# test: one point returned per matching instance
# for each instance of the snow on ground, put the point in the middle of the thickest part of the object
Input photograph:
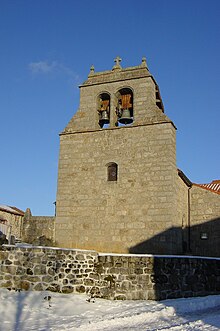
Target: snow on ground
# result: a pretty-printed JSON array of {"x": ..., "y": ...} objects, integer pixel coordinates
[{"x": 25, "y": 311}]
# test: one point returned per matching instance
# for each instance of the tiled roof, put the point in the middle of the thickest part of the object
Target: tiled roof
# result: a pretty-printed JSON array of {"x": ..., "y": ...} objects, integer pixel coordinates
[
  {"x": 12, "y": 210},
  {"x": 214, "y": 186}
]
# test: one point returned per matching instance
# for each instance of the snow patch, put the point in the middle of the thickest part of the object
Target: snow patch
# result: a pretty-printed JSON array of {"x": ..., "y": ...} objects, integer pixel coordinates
[{"x": 34, "y": 311}]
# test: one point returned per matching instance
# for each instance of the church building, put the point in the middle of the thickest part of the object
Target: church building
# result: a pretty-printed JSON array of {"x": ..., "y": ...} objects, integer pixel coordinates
[{"x": 119, "y": 189}]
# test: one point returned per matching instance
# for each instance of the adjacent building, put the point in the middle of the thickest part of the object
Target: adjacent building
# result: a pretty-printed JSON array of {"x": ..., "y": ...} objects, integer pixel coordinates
[{"x": 11, "y": 219}]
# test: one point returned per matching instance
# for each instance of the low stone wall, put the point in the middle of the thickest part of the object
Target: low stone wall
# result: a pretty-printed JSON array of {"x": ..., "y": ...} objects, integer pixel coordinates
[
  {"x": 42, "y": 268},
  {"x": 108, "y": 276}
]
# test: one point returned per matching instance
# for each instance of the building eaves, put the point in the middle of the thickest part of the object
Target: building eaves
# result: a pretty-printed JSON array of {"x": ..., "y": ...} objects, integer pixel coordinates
[
  {"x": 12, "y": 210},
  {"x": 184, "y": 178}
]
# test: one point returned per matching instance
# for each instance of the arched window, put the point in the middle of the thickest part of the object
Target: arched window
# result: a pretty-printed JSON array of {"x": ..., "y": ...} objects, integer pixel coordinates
[
  {"x": 104, "y": 109},
  {"x": 112, "y": 171}
]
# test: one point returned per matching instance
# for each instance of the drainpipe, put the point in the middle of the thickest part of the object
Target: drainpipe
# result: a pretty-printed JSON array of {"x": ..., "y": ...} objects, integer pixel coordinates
[
  {"x": 189, "y": 216},
  {"x": 189, "y": 185},
  {"x": 55, "y": 206}
]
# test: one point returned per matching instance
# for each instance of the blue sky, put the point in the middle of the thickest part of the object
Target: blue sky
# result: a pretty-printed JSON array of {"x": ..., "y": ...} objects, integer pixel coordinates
[{"x": 46, "y": 50}]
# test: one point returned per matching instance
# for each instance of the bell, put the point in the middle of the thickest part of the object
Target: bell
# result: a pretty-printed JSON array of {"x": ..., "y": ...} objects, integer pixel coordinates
[
  {"x": 125, "y": 117},
  {"x": 104, "y": 119}
]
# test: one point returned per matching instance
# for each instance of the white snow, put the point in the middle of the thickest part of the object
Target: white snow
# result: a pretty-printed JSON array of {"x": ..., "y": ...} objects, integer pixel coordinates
[{"x": 25, "y": 311}]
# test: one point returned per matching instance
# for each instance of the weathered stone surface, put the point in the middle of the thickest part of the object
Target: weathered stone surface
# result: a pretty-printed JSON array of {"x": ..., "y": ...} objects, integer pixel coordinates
[
  {"x": 47, "y": 279},
  {"x": 88, "y": 282},
  {"x": 25, "y": 285},
  {"x": 38, "y": 287},
  {"x": 53, "y": 288},
  {"x": 40, "y": 270},
  {"x": 7, "y": 284},
  {"x": 80, "y": 289},
  {"x": 166, "y": 277}
]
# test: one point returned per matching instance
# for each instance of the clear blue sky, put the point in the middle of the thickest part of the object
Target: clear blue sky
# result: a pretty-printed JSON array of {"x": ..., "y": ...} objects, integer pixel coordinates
[{"x": 46, "y": 50}]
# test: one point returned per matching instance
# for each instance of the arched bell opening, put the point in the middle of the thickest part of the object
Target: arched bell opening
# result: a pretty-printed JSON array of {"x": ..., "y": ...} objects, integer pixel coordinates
[
  {"x": 124, "y": 109},
  {"x": 159, "y": 102},
  {"x": 104, "y": 110}
]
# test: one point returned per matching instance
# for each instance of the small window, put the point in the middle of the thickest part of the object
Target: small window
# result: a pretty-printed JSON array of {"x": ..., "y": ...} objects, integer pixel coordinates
[
  {"x": 204, "y": 235},
  {"x": 112, "y": 171}
]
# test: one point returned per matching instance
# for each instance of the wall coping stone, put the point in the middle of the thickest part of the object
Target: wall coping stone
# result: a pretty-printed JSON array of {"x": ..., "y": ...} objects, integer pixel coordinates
[
  {"x": 161, "y": 256},
  {"x": 51, "y": 248},
  {"x": 113, "y": 254}
]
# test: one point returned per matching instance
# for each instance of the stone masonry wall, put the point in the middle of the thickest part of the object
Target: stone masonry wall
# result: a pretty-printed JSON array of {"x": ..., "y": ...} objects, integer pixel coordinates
[
  {"x": 205, "y": 220},
  {"x": 108, "y": 276},
  {"x": 36, "y": 227},
  {"x": 118, "y": 216},
  {"x": 115, "y": 216},
  {"x": 41, "y": 268},
  {"x": 13, "y": 220}
]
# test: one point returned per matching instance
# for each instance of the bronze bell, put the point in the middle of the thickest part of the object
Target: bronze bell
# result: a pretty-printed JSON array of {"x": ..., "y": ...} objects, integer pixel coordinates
[
  {"x": 104, "y": 118},
  {"x": 126, "y": 117}
]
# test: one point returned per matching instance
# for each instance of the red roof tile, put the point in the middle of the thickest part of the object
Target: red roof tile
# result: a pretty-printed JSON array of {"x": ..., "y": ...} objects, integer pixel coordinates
[{"x": 214, "y": 186}]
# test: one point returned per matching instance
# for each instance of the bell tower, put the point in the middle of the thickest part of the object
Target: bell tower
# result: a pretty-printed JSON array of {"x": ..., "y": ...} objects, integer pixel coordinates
[
  {"x": 118, "y": 97},
  {"x": 117, "y": 165}
]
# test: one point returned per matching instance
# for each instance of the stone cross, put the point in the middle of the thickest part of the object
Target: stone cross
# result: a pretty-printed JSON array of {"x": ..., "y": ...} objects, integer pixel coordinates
[
  {"x": 144, "y": 62},
  {"x": 92, "y": 70},
  {"x": 117, "y": 61}
]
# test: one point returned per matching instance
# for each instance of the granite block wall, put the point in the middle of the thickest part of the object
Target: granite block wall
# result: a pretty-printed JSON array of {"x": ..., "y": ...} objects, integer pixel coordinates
[
  {"x": 108, "y": 276},
  {"x": 205, "y": 222},
  {"x": 115, "y": 216}
]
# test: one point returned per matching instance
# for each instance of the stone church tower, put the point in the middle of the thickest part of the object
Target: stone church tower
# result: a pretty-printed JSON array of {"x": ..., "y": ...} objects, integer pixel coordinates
[{"x": 117, "y": 178}]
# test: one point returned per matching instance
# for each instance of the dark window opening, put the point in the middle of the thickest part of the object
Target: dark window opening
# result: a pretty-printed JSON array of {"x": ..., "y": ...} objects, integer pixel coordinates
[
  {"x": 112, "y": 169},
  {"x": 204, "y": 235}
]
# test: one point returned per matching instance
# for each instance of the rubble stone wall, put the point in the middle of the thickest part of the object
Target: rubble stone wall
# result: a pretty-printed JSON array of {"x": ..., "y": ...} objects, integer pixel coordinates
[
  {"x": 109, "y": 276},
  {"x": 36, "y": 227}
]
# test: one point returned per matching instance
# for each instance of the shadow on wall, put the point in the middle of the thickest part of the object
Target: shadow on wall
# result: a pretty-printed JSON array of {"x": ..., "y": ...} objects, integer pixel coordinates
[
  {"x": 186, "y": 277},
  {"x": 202, "y": 240}
]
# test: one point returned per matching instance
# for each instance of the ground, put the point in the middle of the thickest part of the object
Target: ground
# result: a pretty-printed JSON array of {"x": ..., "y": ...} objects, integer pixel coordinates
[{"x": 47, "y": 311}]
